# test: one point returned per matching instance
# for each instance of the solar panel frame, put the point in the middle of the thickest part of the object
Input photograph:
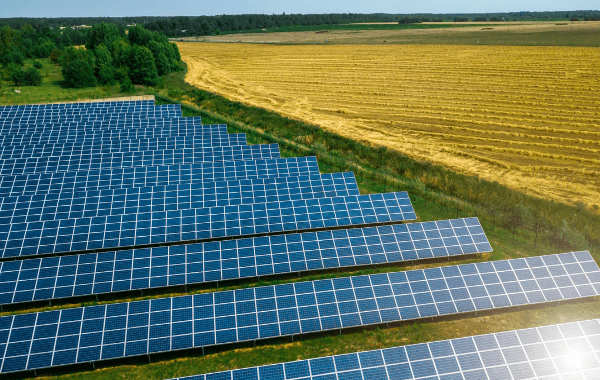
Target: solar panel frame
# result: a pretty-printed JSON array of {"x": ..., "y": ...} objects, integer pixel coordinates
[
  {"x": 138, "y": 269},
  {"x": 112, "y": 134},
  {"x": 69, "y": 336},
  {"x": 142, "y": 158},
  {"x": 551, "y": 352},
  {"x": 99, "y": 146},
  {"x": 142, "y": 176},
  {"x": 71, "y": 236},
  {"x": 91, "y": 204}
]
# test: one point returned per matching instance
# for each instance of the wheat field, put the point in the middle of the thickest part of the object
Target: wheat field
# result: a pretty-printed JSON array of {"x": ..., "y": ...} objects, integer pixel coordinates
[{"x": 527, "y": 117}]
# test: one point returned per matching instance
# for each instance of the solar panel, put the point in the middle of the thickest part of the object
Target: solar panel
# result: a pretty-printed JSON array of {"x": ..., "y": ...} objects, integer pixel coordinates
[
  {"x": 154, "y": 228},
  {"x": 83, "y": 111},
  {"x": 99, "y": 125},
  {"x": 152, "y": 111},
  {"x": 562, "y": 351},
  {"x": 131, "y": 159},
  {"x": 141, "y": 176},
  {"x": 120, "y": 103},
  {"x": 110, "y": 272},
  {"x": 114, "y": 146},
  {"x": 32, "y": 119},
  {"x": 111, "y": 134},
  {"x": 93, "y": 333},
  {"x": 89, "y": 204}
]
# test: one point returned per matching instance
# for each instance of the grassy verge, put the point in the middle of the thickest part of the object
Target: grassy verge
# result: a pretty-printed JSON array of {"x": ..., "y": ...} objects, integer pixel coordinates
[{"x": 435, "y": 193}]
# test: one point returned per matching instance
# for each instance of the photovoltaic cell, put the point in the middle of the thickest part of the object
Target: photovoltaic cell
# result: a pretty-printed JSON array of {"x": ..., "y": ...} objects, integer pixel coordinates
[
  {"x": 141, "y": 176},
  {"x": 109, "y": 272},
  {"x": 111, "y": 134},
  {"x": 114, "y": 146},
  {"x": 102, "y": 332},
  {"x": 82, "y": 204},
  {"x": 129, "y": 230},
  {"x": 131, "y": 159},
  {"x": 563, "y": 351}
]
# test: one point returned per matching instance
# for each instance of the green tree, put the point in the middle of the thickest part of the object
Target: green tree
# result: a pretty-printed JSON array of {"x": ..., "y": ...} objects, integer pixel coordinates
[
  {"x": 105, "y": 34},
  {"x": 78, "y": 68},
  {"x": 32, "y": 77},
  {"x": 159, "y": 51},
  {"x": 104, "y": 70},
  {"x": 142, "y": 69}
]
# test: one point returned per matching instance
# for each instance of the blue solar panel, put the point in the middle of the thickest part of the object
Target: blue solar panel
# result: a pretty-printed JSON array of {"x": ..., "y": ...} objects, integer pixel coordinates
[
  {"x": 131, "y": 159},
  {"x": 102, "y": 332},
  {"x": 141, "y": 176},
  {"x": 15, "y": 118},
  {"x": 123, "y": 103},
  {"x": 87, "y": 127},
  {"x": 84, "y": 111},
  {"x": 110, "y": 272},
  {"x": 553, "y": 352},
  {"x": 121, "y": 231},
  {"x": 114, "y": 146},
  {"x": 89, "y": 204},
  {"x": 33, "y": 119},
  {"x": 112, "y": 134}
]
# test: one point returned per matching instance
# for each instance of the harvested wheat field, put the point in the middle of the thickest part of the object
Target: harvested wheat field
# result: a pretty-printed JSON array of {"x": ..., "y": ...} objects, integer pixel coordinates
[{"x": 527, "y": 117}]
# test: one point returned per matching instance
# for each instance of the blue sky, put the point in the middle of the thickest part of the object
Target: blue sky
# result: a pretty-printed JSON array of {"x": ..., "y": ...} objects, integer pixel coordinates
[{"x": 78, "y": 8}]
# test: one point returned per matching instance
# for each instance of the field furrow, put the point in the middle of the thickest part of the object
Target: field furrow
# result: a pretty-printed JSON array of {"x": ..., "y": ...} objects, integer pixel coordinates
[{"x": 528, "y": 117}]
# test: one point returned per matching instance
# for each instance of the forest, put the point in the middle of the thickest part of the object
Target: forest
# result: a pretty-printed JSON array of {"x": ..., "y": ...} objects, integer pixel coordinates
[{"x": 178, "y": 26}]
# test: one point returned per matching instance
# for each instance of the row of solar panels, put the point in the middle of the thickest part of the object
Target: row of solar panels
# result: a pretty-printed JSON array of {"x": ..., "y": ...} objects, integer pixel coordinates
[
  {"x": 79, "y": 111},
  {"x": 94, "y": 333},
  {"x": 66, "y": 106},
  {"x": 225, "y": 211},
  {"x": 32, "y": 116},
  {"x": 552, "y": 352},
  {"x": 88, "y": 117}
]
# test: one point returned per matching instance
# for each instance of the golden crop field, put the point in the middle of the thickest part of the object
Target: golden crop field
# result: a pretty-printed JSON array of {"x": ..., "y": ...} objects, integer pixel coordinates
[{"x": 527, "y": 117}]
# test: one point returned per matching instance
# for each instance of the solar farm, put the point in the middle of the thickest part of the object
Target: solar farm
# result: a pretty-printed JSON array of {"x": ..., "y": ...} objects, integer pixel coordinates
[{"x": 112, "y": 198}]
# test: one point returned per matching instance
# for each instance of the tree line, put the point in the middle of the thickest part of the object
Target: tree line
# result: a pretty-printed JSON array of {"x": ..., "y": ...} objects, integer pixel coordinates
[
  {"x": 179, "y": 26},
  {"x": 111, "y": 54}
]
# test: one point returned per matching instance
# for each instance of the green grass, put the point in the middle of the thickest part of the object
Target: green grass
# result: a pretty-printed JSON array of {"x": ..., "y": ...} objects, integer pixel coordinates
[
  {"x": 53, "y": 89},
  {"x": 375, "y": 173}
]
